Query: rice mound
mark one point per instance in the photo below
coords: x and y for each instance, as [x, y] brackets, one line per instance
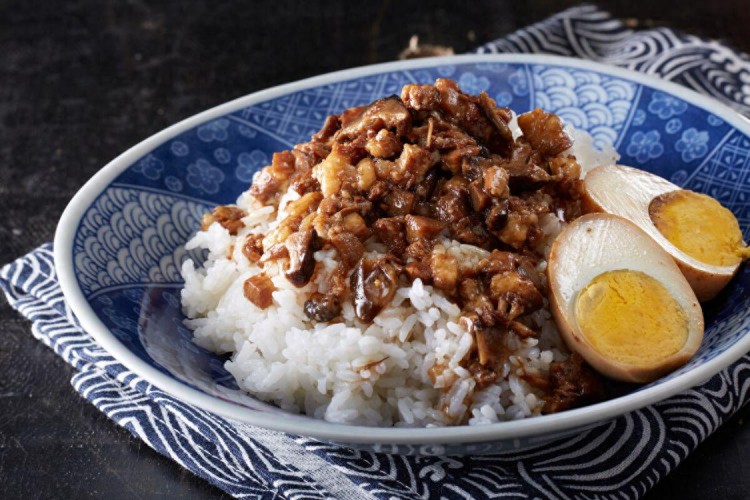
[403, 369]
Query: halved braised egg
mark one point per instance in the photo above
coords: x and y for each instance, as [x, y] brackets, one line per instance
[620, 301]
[703, 237]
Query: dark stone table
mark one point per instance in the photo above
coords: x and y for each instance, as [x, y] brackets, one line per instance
[80, 81]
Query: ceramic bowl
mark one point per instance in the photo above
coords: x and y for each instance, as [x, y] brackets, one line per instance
[120, 242]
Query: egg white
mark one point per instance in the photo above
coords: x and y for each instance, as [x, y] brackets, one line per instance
[595, 244]
[628, 192]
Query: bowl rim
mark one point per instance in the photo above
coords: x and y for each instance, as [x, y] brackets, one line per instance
[568, 420]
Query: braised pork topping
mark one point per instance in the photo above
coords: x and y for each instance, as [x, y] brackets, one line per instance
[229, 217]
[406, 172]
[259, 290]
[573, 383]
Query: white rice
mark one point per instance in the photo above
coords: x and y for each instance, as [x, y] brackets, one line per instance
[403, 369]
[586, 152]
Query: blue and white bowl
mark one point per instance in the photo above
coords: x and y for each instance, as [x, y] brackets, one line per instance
[120, 242]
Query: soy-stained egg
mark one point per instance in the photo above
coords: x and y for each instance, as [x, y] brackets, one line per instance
[620, 301]
[703, 237]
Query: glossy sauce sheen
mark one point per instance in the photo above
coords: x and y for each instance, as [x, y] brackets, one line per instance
[406, 171]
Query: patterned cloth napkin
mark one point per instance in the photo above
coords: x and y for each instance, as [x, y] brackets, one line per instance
[623, 458]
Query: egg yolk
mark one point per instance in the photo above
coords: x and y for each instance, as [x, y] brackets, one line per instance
[630, 317]
[699, 226]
